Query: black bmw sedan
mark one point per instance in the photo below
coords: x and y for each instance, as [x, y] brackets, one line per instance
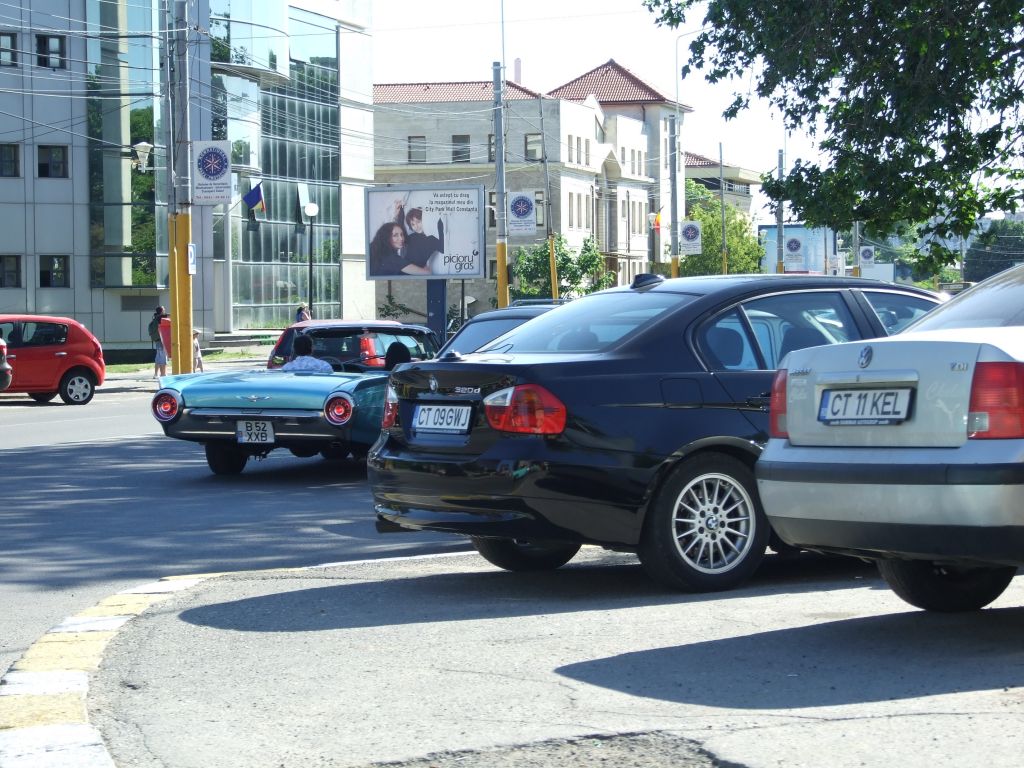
[630, 419]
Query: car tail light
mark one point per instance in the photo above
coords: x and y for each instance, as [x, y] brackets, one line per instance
[166, 406]
[390, 417]
[997, 402]
[777, 406]
[526, 408]
[368, 352]
[339, 409]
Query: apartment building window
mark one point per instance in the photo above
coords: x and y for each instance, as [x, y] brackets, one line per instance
[588, 212]
[623, 150]
[8, 49]
[579, 210]
[417, 149]
[533, 146]
[632, 161]
[586, 156]
[622, 210]
[579, 149]
[569, 145]
[664, 155]
[53, 162]
[53, 271]
[492, 209]
[51, 51]
[491, 152]
[540, 208]
[10, 167]
[571, 220]
[460, 148]
[10, 271]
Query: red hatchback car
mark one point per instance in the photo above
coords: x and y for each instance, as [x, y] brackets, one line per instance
[52, 356]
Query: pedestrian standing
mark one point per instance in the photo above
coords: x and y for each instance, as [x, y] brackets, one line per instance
[197, 353]
[160, 354]
[302, 313]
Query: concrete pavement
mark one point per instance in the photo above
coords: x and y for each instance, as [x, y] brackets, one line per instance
[446, 661]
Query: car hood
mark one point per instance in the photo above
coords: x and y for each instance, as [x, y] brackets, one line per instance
[266, 388]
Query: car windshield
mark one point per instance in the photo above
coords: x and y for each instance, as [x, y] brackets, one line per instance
[994, 303]
[590, 324]
[474, 335]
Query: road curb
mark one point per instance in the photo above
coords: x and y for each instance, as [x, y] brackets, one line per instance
[44, 721]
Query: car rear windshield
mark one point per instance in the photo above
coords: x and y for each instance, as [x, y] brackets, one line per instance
[345, 343]
[474, 335]
[590, 324]
[995, 303]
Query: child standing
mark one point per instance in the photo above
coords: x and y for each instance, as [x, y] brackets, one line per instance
[197, 353]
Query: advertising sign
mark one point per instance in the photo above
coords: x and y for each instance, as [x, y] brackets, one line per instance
[690, 238]
[211, 172]
[522, 214]
[425, 231]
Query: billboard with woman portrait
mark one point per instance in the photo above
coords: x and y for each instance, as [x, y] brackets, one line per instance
[425, 231]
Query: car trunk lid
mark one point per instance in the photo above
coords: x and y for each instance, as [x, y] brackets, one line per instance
[910, 391]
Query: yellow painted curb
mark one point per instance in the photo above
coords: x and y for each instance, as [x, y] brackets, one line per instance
[122, 605]
[65, 651]
[26, 711]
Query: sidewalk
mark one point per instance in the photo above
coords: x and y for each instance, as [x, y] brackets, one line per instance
[143, 378]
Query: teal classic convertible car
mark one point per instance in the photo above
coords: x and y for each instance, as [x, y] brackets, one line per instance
[241, 414]
[237, 415]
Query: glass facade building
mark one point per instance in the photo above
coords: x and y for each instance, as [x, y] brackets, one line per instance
[275, 82]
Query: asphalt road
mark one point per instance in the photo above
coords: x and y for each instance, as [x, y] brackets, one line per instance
[323, 644]
[449, 663]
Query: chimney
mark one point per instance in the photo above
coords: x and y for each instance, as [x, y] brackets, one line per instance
[518, 72]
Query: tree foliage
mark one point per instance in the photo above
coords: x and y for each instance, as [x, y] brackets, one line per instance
[744, 252]
[578, 273]
[1000, 247]
[916, 103]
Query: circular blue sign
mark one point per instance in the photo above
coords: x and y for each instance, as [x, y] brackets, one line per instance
[521, 206]
[793, 245]
[690, 232]
[212, 163]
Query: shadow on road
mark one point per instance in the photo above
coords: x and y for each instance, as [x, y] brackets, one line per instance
[483, 594]
[872, 659]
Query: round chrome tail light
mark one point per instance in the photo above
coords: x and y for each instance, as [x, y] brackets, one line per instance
[339, 409]
[166, 406]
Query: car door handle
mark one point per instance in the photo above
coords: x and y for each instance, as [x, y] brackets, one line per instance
[60, 354]
[761, 401]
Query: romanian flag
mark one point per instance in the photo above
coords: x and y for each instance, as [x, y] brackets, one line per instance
[254, 199]
[657, 222]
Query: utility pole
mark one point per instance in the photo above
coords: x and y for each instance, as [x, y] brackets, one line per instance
[673, 184]
[547, 203]
[721, 197]
[780, 235]
[501, 244]
[179, 218]
[855, 246]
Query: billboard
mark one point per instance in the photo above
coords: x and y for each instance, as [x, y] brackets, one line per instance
[417, 232]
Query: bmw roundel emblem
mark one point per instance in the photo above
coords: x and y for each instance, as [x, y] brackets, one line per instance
[865, 357]
[213, 163]
[433, 384]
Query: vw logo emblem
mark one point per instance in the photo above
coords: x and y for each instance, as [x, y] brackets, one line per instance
[865, 357]
[433, 384]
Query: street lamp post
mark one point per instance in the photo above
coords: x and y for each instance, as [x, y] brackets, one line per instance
[311, 210]
[677, 155]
